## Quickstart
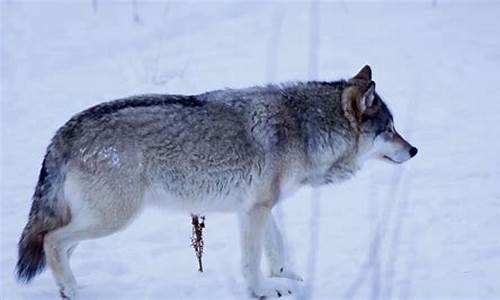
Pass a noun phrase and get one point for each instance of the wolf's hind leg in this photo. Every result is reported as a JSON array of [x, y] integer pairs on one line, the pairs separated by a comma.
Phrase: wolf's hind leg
[[275, 252], [60, 244], [56, 247], [96, 212]]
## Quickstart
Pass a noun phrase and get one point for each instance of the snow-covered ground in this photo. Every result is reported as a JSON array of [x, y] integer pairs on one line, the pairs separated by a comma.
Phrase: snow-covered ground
[[428, 229]]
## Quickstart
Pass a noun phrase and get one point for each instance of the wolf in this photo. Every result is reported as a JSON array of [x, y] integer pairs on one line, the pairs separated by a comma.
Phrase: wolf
[[234, 150]]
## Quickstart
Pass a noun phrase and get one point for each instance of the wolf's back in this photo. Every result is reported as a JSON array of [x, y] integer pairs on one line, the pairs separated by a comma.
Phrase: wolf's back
[[47, 213]]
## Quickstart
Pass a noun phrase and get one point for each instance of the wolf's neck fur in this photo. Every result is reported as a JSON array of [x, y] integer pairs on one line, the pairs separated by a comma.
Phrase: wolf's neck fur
[[319, 124]]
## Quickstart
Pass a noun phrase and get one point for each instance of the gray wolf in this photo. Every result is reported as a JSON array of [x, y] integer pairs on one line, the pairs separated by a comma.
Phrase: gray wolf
[[235, 150]]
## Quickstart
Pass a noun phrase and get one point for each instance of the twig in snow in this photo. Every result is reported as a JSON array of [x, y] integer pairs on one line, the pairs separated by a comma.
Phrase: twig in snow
[[197, 238]]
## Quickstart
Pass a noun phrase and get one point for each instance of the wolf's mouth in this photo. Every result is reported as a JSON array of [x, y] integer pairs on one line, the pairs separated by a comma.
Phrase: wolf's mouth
[[387, 158]]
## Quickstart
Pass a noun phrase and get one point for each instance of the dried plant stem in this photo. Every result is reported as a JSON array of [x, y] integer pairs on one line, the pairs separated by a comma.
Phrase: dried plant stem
[[197, 243]]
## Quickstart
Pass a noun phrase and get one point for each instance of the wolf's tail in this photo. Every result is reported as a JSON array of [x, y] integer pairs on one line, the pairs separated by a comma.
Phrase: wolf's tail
[[47, 213]]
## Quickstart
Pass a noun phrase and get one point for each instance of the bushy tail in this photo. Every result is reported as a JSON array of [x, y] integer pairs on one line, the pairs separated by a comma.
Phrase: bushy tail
[[46, 214]]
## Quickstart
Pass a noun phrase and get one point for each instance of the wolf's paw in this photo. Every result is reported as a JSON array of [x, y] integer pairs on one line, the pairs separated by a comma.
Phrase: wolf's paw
[[270, 288], [283, 273], [67, 293]]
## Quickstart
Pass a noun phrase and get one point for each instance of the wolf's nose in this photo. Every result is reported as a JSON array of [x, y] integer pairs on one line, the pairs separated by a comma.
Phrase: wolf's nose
[[413, 151]]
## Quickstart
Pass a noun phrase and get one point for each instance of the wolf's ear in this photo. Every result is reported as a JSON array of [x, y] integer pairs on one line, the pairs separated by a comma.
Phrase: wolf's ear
[[367, 100], [363, 78]]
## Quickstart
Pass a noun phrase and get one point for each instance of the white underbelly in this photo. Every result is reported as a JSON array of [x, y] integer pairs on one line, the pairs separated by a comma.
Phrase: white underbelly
[[158, 195]]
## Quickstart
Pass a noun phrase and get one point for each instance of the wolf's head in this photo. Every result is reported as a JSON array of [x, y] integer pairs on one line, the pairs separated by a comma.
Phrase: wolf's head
[[377, 136]]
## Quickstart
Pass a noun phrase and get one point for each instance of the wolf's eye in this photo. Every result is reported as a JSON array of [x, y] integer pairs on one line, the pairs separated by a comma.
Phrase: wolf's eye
[[379, 132], [389, 130]]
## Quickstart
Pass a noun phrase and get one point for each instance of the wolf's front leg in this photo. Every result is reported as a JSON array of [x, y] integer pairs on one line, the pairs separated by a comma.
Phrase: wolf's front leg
[[252, 226], [275, 252]]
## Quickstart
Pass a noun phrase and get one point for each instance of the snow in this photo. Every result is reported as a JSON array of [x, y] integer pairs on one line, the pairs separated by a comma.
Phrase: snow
[[427, 229]]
